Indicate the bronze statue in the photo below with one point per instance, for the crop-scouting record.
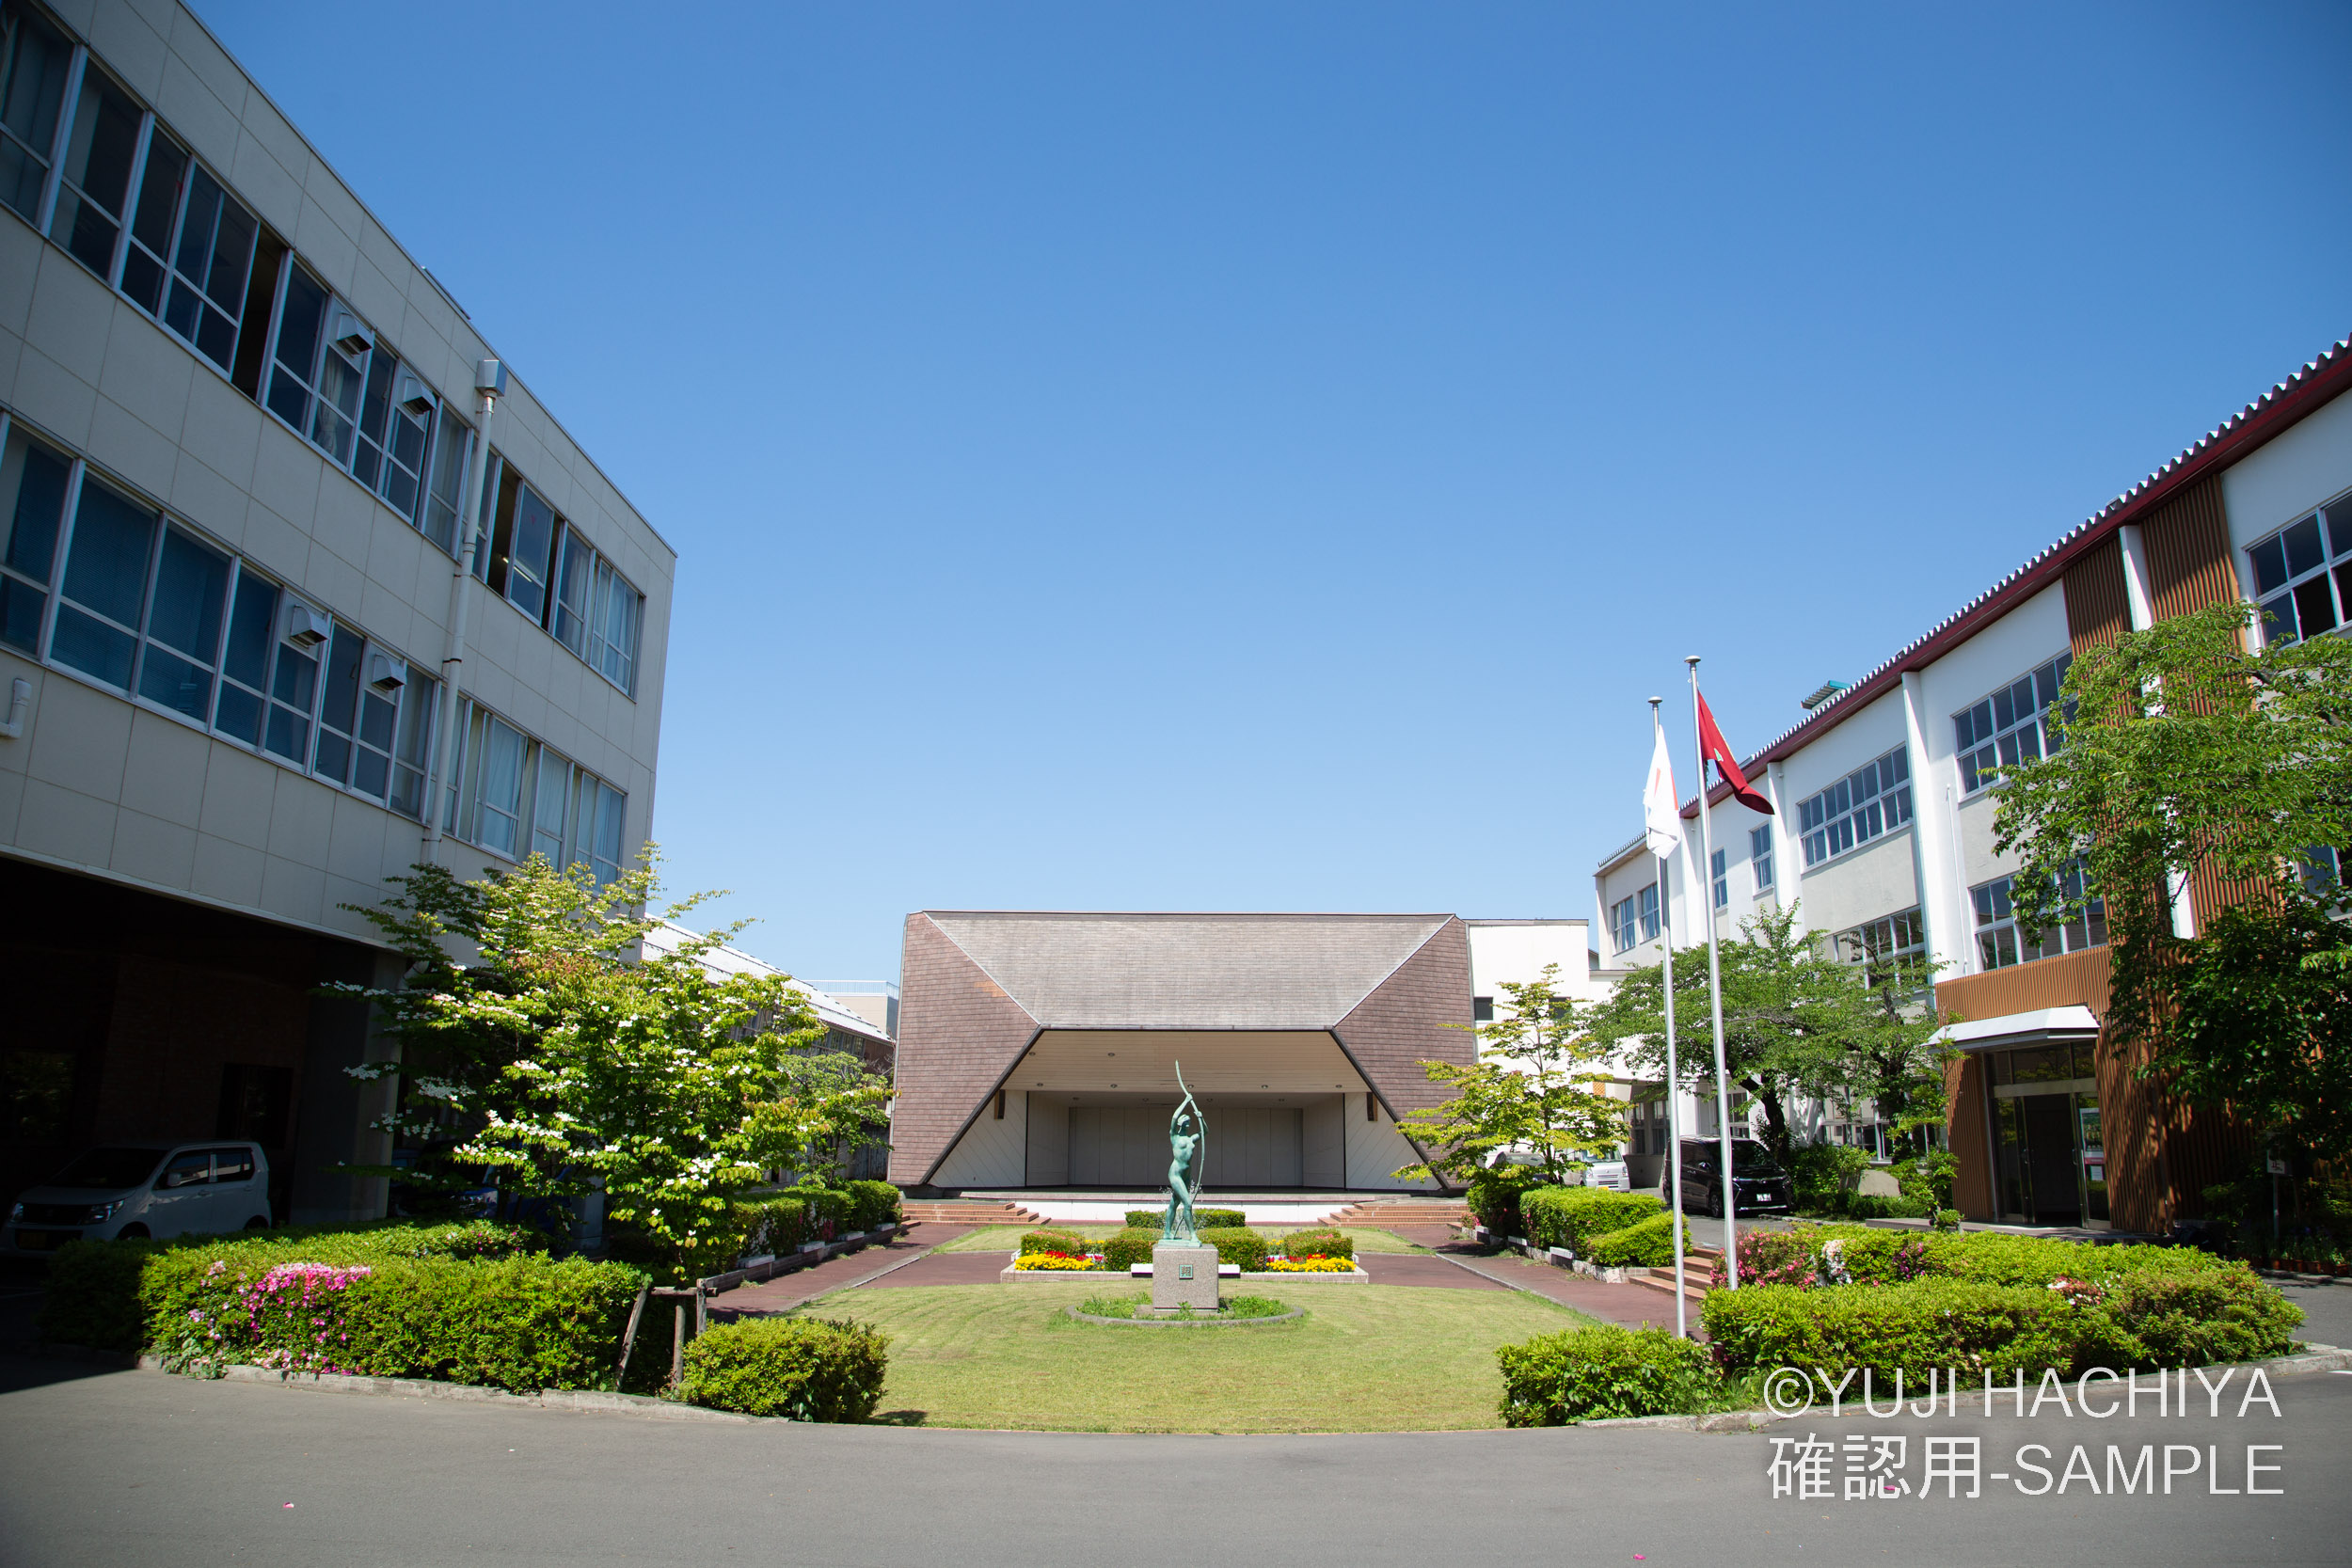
(1188, 1156)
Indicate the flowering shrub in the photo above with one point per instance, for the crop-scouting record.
(1323, 1242)
(1911, 1260)
(1772, 1258)
(1034, 1261)
(294, 1320)
(2077, 1292)
(1310, 1265)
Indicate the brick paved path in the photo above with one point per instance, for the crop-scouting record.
(1629, 1305)
(788, 1291)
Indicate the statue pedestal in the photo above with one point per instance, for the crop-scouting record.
(1184, 1274)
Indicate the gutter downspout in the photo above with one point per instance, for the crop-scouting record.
(489, 383)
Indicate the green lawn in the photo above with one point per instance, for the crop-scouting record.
(1365, 1358)
(1004, 1238)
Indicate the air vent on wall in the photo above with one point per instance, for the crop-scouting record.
(385, 673)
(348, 333)
(305, 627)
(413, 394)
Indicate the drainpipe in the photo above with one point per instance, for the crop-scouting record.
(20, 699)
(489, 384)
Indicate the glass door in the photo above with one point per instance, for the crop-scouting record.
(2090, 1144)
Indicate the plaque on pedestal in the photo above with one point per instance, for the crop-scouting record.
(1184, 1274)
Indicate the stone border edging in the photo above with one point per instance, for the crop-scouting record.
(468, 1393)
(1009, 1274)
(2311, 1359)
(1185, 1323)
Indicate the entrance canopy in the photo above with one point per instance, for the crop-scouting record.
(1315, 1025)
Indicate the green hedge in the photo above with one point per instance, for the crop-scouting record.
(1318, 1243)
(1597, 1373)
(872, 1204)
(107, 1294)
(1202, 1219)
(1237, 1244)
(1498, 1196)
(1575, 1217)
(1054, 1241)
(2143, 1321)
(1130, 1247)
(807, 1369)
(1649, 1243)
(524, 1323)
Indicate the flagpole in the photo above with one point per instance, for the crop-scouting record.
(1715, 991)
(1674, 1074)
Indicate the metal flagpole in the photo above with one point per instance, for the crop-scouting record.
(1715, 991)
(1674, 1074)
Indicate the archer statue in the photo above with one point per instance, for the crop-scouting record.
(1187, 1155)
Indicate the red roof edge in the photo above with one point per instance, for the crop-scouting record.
(2259, 422)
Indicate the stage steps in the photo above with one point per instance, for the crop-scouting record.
(961, 1211)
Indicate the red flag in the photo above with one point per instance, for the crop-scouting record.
(1711, 749)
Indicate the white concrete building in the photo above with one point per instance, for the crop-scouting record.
(1883, 835)
(243, 445)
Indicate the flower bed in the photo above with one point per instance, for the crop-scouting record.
(1310, 1265)
(1043, 1262)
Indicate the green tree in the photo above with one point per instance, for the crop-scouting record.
(538, 1042)
(2185, 754)
(1798, 1021)
(1529, 1093)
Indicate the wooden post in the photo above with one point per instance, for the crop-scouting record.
(620, 1369)
(677, 1344)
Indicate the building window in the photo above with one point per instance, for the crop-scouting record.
(2000, 943)
(34, 60)
(2300, 597)
(517, 797)
(2017, 723)
(1760, 857)
(442, 501)
(147, 608)
(1873, 799)
(32, 507)
(1634, 919)
(1481, 1009)
(191, 252)
(94, 180)
(1891, 950)
(543, 566)
(1719, 879)
(2322, 869)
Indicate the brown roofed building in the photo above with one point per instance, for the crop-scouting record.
(1041, 1048)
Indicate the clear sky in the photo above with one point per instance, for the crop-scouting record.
(1261, 456)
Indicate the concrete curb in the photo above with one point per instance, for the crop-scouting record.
(464, 1393)
(1185, 1323)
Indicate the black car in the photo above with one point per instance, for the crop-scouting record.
(1758, 1184)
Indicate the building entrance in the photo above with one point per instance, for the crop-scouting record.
(2049, 1147)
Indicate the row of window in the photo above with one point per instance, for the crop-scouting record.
(545, 569)
(2001, 943)
(2301, 594)
(109, 183)
(2019, 722)
(1634, 919)
(516, 796)
(1867, 803)
(1891, 950)
(97, 582)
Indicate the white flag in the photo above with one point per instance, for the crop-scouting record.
(1661, 808)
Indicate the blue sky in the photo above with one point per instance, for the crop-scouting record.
(1249, 457)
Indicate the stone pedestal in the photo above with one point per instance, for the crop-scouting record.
(1184, 1274)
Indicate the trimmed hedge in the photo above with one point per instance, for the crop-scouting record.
(1575, 1217)
(2143, 1321)
(1318, 1243)
(1596, 1374)
(1237, 1244)
(872, 1204)
(1202, 1219)
(1054, 1241)
(1649, 1243)
(1130, 1247)
(113, 1296)
(804, 1369)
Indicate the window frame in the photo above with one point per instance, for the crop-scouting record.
(1760, 858)
(1890, 801)
(416, 688)
(2331, 575)
(579, 788)
(1719, 879)
(1993, 917)
(1982, 746)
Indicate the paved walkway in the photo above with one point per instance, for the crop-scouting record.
(786, 1291)
(946, 1268)
(1419, 1268)
(1629, 1305)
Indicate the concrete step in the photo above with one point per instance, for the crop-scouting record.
(967, 1212)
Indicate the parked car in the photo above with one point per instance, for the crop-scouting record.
(143, 1190)
(1609, 1173)
(1758, 1184)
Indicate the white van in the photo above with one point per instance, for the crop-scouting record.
(143, 1190)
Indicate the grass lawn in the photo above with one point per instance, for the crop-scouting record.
(1365, 1358)
(1004, 1238)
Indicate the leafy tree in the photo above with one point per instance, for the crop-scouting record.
(1797, 1022)
(2186, 754)
(537, 1042)
(1529, 1092)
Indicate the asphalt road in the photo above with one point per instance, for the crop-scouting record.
(138, 1468)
